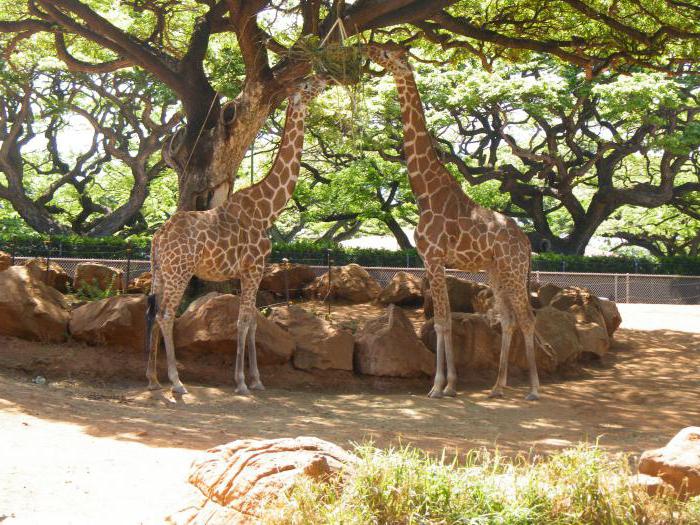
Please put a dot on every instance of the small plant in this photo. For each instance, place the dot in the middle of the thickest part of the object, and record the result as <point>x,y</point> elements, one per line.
<point>91,291</point>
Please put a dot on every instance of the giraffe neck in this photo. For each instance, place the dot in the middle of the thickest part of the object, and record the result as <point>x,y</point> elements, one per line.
<point>422,160</point>
<point>278,185</point>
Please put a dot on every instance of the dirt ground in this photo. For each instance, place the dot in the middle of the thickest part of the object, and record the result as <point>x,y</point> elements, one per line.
<point>93,446</point>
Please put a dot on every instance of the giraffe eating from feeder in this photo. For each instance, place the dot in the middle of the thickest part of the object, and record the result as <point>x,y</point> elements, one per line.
<point>454,231</point>
<point>226,242</point>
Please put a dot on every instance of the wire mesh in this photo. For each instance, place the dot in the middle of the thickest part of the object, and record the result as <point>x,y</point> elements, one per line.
<point>624,288</point>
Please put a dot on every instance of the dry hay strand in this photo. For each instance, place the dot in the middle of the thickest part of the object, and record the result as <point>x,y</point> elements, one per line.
<point>344,64</point>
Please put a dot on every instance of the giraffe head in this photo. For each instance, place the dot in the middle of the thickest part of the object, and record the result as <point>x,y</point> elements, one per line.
<point>308,89</point>
<point>392,57</point>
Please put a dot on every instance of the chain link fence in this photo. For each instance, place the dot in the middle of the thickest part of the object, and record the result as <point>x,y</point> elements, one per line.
<point>623,288</point>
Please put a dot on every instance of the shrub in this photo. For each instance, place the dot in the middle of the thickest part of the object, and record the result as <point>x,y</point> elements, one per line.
<point>578,486</point>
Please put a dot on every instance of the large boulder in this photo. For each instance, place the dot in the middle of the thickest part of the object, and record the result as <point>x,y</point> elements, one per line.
<point>461,293</point>
<point>611,314</point>
<point>403,289</point>
<point>389,346</point>
<point>546,292</point>
<point>678,463</point>
<point>30,309</point>
<point>140,284</point>
<point>239,480</point>
<point>319,344</point>
<point>101,276</point>
<point>210,325</point>
<point>117,321</point>
<point>5,261</point>
<point>54,276</point>
<point>350,283</point>
<point>297,277</point>
<point>476,341</point>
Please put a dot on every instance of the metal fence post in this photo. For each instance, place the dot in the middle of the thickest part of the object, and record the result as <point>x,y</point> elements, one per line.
<point>615,294</point>
<point>627,288</point>
<point>537,276</point>
<point>408,260</point>
<point>13,244</point>
<point>47,244</point>
<point>285,265</point>
<point>330,275</point>
<point>128,265</point>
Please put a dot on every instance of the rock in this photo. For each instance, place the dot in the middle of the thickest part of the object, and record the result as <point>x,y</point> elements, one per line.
<point>389,346</point>
<point>351,283</point>
<point>546,292</point>
<point>651,485</point>
<point>210,325</point>
<point>297,275</point>
<point>265,298</point>
<point>98,275</point>
<point>678,463</point>
<point>403,289</point>
<point>319,345</point>
<point>140,284</point>
<point>5,261</point>
<point>238,480</point>
<point>116,321</point>
<point>56,277</point>
<point>591,323</point>
<point>460,291</point>
<point>611,314</point>
<point>30,309</point>
<point>476,341</point>
<point>483,301</point>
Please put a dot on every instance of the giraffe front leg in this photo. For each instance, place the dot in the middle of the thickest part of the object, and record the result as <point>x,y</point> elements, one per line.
<point>166,326</point>
<point>151,368</point>
<point>255,382</point>
<point>243,327</point>
<point>436,275</point>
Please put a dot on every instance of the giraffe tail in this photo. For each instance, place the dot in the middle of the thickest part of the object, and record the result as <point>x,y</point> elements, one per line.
<point>151,305</point>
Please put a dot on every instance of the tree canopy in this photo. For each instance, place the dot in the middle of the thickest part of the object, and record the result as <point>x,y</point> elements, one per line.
<point>568,114</point>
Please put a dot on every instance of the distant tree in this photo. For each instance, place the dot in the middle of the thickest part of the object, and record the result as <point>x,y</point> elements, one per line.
<point>54,187</point>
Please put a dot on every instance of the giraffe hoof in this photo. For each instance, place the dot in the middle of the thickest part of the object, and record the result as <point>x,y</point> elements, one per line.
<point>179,390</point>
<point>532,396</point>
<point>449,391</point>
<point>257,386</point>
<point>435,393</point>
<point>496,394</point>
<point>242,391</point>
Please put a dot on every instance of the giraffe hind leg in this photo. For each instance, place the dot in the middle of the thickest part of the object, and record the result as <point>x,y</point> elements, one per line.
<point>255,382</point>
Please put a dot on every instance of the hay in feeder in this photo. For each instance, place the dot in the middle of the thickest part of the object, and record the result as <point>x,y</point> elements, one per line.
<point>341,63</point>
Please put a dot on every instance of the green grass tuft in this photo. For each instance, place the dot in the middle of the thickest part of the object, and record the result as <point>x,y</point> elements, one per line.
<point>583,485</point>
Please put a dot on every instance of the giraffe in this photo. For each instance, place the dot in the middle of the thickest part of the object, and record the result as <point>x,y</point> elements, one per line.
<point>454,231</point>
<point>229,241</point>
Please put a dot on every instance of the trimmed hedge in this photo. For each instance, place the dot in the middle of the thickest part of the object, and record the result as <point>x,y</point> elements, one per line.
<point>307,252</point>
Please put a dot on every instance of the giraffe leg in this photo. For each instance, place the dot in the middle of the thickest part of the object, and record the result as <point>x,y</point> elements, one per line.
<point>443,320</point>
<point>166,325</point>
<point>505,310</point>
<point>246,324</point>
<point>526,321</point>
<point>151,369</point>
<point>255,382</point>
<point>239,374</point>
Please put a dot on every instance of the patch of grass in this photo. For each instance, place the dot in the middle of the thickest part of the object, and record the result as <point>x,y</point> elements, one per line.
<point>583,485</point>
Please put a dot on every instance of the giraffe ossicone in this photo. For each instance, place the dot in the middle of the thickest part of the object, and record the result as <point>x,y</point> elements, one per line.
<point>226,242</point>
<point>455,232</point>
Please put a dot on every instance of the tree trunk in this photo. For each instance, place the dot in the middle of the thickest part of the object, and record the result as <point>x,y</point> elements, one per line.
<point>400,236</point>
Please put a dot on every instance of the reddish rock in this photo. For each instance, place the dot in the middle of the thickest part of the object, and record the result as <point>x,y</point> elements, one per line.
<point>98,275</point>
<point>238,480</point>
<point>389,346</point>
<point>652,485</point>
<point>678,463</point>
<point>297,277</point>
<point>5,261</point>
<point>611,314</point>
<point>116,321</point>
<point>55,276</point>
<point>461,293</point>
<point>546,292</point>
<point>587,310</point>
<point>350,283</point>
<point>140,284</point>
<point>29,309</point>
<point>319,345</point>
<point>403,289</point>
<point>210,325</point>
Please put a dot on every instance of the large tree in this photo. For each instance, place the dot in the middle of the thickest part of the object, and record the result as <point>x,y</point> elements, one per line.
<point>169,39</point>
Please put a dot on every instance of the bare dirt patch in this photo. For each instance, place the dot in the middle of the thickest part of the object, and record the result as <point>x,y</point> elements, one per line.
<point>93,442</point>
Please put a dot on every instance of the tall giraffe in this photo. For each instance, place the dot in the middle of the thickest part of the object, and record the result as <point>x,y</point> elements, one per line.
<point>226,242</point>
<point>454,231</point>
